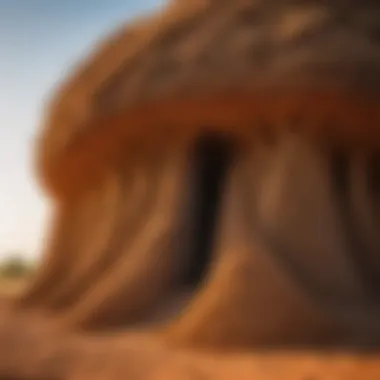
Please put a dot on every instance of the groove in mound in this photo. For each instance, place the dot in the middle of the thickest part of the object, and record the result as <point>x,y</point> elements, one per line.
<point>212,158</point>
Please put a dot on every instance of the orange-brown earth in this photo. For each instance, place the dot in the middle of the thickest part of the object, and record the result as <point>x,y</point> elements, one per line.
<point>174,75</point>
<point>35,351</point>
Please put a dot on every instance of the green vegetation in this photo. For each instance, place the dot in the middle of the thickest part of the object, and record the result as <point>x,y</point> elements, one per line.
<point>15,266</point>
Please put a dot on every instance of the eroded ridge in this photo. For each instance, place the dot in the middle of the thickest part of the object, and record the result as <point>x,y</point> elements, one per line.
<point>231,64</point>
<point>259,258</point>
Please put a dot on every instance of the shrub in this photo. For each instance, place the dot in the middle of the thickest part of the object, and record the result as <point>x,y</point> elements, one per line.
<point>15,266</point>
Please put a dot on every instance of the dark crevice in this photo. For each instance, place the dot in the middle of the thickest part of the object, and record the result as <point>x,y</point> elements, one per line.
<point>212,157</point>
<point>374,175</point>
<point>365,270</point>
<point>340,172</point>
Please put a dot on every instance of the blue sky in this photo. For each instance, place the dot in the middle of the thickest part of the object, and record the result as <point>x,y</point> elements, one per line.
<point>39,41</point>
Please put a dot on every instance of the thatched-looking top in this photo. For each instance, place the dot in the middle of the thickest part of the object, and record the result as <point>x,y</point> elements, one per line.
<point>226,62</point>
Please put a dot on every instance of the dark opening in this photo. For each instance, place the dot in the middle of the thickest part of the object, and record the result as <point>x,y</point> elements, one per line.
<point>357,252</point>
<point>212,158</point>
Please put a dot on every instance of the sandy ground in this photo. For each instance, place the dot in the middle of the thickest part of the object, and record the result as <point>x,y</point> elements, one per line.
<point>134,356</point>
<point>133,360</point>
<point>30,350</point>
